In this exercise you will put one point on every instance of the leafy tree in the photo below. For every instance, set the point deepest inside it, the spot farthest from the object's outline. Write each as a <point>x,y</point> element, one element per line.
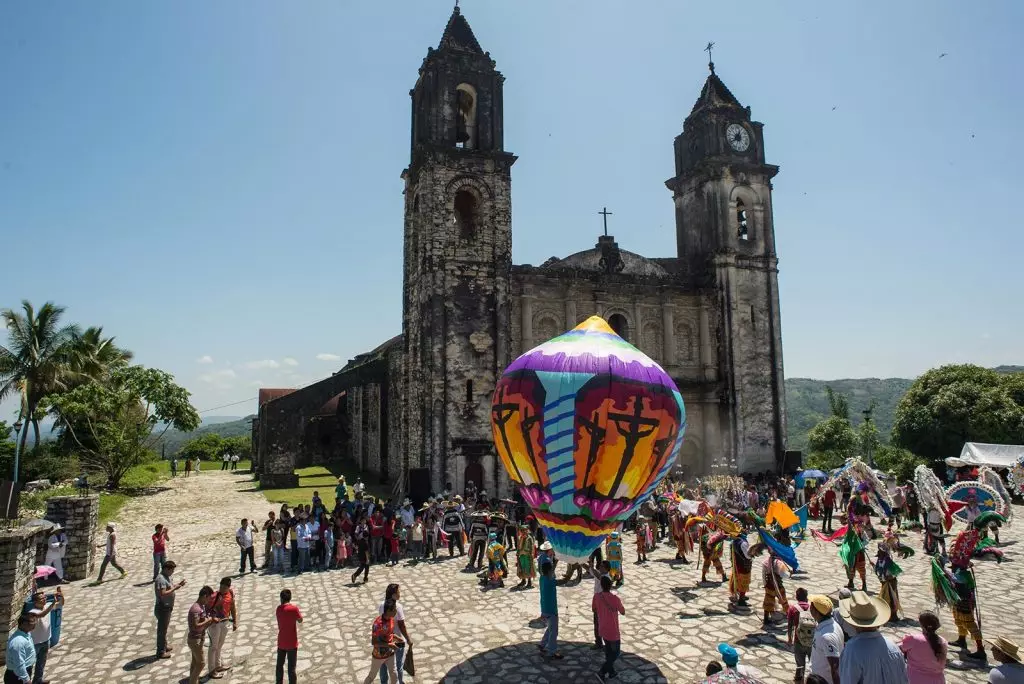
<point>898,462</point>
<point>838,403</point>
<point>112,421</point>
<point>36,362</point>
<point>832,441</point>
<point>241,445</point>
<point>6,445</point>
<point>208,447</point>
<point>953,404</point>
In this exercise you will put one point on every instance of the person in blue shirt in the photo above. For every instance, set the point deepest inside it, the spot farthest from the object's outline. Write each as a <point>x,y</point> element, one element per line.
<point>549,605</point>
<point>21,652</point>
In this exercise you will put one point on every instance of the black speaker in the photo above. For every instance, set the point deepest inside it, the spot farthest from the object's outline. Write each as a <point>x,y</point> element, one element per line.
<point>792,461</point>
<point>10,497</point>
<point>419,485</point>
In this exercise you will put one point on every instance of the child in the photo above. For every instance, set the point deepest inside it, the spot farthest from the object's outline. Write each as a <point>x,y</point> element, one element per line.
<point>430,538</point>
<point>393,541</point>
<point>403,541</point>
<point>614,553</point>
<point>341,554</point>
<point>800,632</point>
<point>328,546</point>
<point>288,617</point>
<point>416,547</point>
<point>641,540</point>
<point>277,539</point>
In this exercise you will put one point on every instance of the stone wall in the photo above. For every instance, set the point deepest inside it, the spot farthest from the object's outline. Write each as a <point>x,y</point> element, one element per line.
<point>18,552</point>
<point>79,515</point>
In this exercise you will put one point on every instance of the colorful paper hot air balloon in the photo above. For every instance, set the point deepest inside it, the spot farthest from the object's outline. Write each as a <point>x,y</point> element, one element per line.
<point>587,425</point>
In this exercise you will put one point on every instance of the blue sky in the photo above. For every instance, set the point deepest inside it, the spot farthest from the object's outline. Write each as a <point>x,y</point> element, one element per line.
<point>217,184</point>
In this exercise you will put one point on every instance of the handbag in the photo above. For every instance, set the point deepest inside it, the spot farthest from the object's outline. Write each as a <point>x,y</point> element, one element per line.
<point>409,666</point>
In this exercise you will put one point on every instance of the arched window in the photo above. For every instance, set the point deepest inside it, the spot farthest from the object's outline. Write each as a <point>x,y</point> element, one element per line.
<point>466,213</point>
<point>465,116</point>
<point>741,221</point>
<point>620,325</point>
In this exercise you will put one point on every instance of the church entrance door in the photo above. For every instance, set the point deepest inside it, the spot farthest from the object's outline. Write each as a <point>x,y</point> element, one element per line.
<point>475,473</point>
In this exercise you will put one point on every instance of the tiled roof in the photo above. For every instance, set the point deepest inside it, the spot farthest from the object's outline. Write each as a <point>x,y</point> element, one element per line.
<point>269,394</point>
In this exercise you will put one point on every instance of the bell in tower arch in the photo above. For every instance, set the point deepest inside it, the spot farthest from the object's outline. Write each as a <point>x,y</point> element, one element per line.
<point>465,118</point>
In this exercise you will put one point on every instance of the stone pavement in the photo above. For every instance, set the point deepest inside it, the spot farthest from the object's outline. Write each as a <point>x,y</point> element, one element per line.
<point>461,633</point>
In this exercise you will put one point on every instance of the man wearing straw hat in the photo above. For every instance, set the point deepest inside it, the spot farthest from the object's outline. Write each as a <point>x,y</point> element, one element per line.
<point>1007,654</point>
<point>869,658</point>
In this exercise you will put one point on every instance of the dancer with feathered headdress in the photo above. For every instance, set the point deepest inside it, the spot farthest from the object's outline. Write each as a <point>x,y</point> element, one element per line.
<point>956,587</point>
<point>888,570</point>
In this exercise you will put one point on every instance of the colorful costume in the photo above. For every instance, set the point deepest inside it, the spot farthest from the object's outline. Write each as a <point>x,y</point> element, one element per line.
<point>524,556</point>
<point>852,552</point>
<point>956,587</point>
<point>739,579</point>
<point>774,590</point>
<point>643,531</point>
<point>888,571</point>
<point>711,547</point>
<point>495,560</point>
<point>614,553</point>
<point>681,536</point>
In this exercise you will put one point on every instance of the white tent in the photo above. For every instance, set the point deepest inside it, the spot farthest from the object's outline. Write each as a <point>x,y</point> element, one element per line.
<point>994,455</point>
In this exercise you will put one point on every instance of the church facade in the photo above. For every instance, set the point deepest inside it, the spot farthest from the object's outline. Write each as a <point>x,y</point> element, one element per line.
<point>416,410</point>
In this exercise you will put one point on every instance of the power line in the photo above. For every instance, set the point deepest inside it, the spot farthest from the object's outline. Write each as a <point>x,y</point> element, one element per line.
<point>233,403</point>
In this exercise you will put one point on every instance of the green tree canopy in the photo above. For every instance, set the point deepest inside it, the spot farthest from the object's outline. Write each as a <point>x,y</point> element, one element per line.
<point>953,404</point>
<point>832,441</point>
<point>112,421</point>
<point>898,462</point>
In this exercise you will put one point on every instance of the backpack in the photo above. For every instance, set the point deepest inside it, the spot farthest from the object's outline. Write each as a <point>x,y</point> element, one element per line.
<point>805,628</point>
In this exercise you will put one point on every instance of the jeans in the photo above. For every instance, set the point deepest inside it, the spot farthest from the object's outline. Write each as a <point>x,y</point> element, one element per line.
<point>41,652</point>
<point>376,543</point>
<point>11,678</point>
<point>549,641</point>
<point>163,620</point>
<point>279,558</point>
<point>611,652</point>
<point>399,661</point>
<point>217,633</point>
<point>103,567</point>
<point>243,554</point>
<point>303,559</point>
<point>290,654</point>
<point>158,562</point>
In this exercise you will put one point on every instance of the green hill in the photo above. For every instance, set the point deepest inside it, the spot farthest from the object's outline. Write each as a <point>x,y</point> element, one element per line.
<point>173,440</point>
<point>807,403</point>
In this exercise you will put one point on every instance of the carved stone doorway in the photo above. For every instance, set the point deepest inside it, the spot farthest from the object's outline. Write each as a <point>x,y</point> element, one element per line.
<point>475,473</point>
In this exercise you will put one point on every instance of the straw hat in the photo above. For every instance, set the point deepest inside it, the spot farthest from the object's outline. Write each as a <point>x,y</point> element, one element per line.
<point>861,610</point>
<point>1006,647</point>
<point>546,546</point>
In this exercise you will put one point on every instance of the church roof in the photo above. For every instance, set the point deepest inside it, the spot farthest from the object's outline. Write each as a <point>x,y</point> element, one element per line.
<point>596,260</point>
<point>714,94</point>
<point>458,35</point>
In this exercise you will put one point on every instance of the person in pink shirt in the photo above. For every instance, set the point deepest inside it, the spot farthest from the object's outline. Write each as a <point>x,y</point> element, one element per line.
<point>608,607</point>
<point>925,652</point>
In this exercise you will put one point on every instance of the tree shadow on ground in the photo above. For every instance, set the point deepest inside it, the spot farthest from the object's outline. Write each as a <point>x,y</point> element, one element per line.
<point>142,491</point>
<point>524,663</point>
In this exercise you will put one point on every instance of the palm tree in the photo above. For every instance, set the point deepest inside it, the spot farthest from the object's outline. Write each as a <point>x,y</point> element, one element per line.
<point>93,356</point>
<point>38,358</point>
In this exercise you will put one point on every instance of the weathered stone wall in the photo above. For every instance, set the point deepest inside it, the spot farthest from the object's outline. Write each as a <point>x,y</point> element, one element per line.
<point>19,549</point>
<point>79,515</point>
<point>371,407</point>
<point>396,454</point>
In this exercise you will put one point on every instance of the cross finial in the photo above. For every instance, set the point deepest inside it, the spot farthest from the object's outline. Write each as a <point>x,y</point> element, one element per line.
<point>711,65</point>
<point>605,213</point>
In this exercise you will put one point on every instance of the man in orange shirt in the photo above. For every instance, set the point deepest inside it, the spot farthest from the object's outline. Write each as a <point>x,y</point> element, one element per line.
<point>224,608</point>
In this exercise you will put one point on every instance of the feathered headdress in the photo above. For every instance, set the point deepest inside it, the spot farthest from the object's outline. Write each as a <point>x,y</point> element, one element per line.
<point>990,477</point>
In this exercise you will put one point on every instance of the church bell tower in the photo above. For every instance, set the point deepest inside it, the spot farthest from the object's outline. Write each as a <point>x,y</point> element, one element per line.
<point>726,242</point>
<point>458,256</point>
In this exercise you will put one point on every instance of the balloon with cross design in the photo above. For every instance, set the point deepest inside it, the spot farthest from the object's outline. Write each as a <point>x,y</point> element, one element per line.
<point>587,426</point>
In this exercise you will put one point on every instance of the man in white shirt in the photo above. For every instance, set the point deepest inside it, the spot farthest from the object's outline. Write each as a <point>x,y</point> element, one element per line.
<point>407,513</point>
<point>56,546</point>
<point>234,461</point>
<point>41,633</point>
<point>359,487</point>
<point>225,459</point>
<point>827,647</point>
<point>244,539</point>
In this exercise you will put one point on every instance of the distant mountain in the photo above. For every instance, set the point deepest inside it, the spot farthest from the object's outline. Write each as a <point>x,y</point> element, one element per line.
<point>807,403</point>
<point>173,440</point>
<point>216,420</point>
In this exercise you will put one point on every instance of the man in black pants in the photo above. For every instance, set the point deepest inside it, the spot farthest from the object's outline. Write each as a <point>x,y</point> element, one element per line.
<point>244,538</point>
<point>478,536</point>
<point>452,526</point>
<point>164,606</point>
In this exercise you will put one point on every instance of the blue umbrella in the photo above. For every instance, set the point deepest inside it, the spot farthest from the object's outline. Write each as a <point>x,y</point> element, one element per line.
<point>814,475</point>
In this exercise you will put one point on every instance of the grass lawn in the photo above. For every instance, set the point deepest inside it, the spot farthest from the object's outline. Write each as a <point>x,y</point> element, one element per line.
<point>136,482</point>
<point>324,480</point>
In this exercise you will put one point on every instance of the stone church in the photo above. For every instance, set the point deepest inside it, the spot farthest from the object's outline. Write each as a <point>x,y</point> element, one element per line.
<point>415,411</point>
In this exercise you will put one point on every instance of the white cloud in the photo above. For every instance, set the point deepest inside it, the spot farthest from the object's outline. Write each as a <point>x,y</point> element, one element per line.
<point>220,379</point>
<point>265,363</point>
<point>328,357</point>
<point>205,360</point>
<point>289,361</point>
